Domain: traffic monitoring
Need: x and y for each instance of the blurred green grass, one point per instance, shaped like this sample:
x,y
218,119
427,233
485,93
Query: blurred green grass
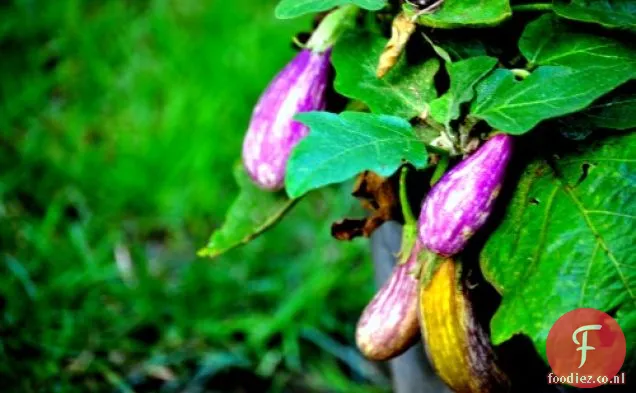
x,y
119,125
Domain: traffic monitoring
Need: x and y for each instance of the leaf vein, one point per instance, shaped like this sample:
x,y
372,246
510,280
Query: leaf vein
x,y
609,213
587,275
568,190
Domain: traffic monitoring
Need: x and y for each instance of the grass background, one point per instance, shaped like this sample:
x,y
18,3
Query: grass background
x,y
119,125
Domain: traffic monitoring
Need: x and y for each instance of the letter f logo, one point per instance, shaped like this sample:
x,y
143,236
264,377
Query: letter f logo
x,y
584,347
585,329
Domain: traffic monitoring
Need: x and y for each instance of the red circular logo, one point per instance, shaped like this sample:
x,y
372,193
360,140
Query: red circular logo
x,y
586,348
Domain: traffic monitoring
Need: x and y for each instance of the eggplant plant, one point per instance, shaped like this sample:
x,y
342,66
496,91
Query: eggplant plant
x,y
516,121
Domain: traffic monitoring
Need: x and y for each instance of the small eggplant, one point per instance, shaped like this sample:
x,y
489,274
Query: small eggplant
x,y
457,344
461,201
388,325
272,133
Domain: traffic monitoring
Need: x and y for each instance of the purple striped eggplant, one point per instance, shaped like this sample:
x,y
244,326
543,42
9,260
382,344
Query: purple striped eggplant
x,y
461,201
388,325
272,133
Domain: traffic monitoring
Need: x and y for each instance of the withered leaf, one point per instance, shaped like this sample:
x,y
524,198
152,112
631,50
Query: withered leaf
x,y
380,196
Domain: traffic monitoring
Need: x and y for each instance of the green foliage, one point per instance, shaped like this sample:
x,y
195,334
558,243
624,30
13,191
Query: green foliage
x,y
404,92
252,213
458,48
464,75
120,123
567,241
293,8
458,13
617,111
609,13
550,41
340,146
574,69
579,207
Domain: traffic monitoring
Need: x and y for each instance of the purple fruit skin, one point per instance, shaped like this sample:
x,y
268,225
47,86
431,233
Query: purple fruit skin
x,y
388,325
461,201
272,133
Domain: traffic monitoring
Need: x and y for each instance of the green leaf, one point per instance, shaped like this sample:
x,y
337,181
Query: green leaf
x,y
567,241
253,212
405,91
461,48
463,77
575,69
616,112
550,41
458,13
609,13
340,146
516,107
287,9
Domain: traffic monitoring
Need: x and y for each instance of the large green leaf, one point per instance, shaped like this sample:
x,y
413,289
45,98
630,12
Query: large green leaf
x,y
550,41
464,75
252,213
405,91
616,112
457,13
292,8
609,13
575,68
340,146
567,241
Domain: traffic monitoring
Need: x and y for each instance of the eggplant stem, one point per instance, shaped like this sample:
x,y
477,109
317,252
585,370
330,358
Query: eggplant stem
x,y
409,232
431,264
409,218
332,27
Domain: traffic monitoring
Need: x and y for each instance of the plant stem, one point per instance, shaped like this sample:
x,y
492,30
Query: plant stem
x,y
464,131
332,27
409,218
532,7
431,262
409,231
441,168
520,73
434,125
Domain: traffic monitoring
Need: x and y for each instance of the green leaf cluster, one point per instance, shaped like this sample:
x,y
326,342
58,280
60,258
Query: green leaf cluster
x,y
474,68
569,70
